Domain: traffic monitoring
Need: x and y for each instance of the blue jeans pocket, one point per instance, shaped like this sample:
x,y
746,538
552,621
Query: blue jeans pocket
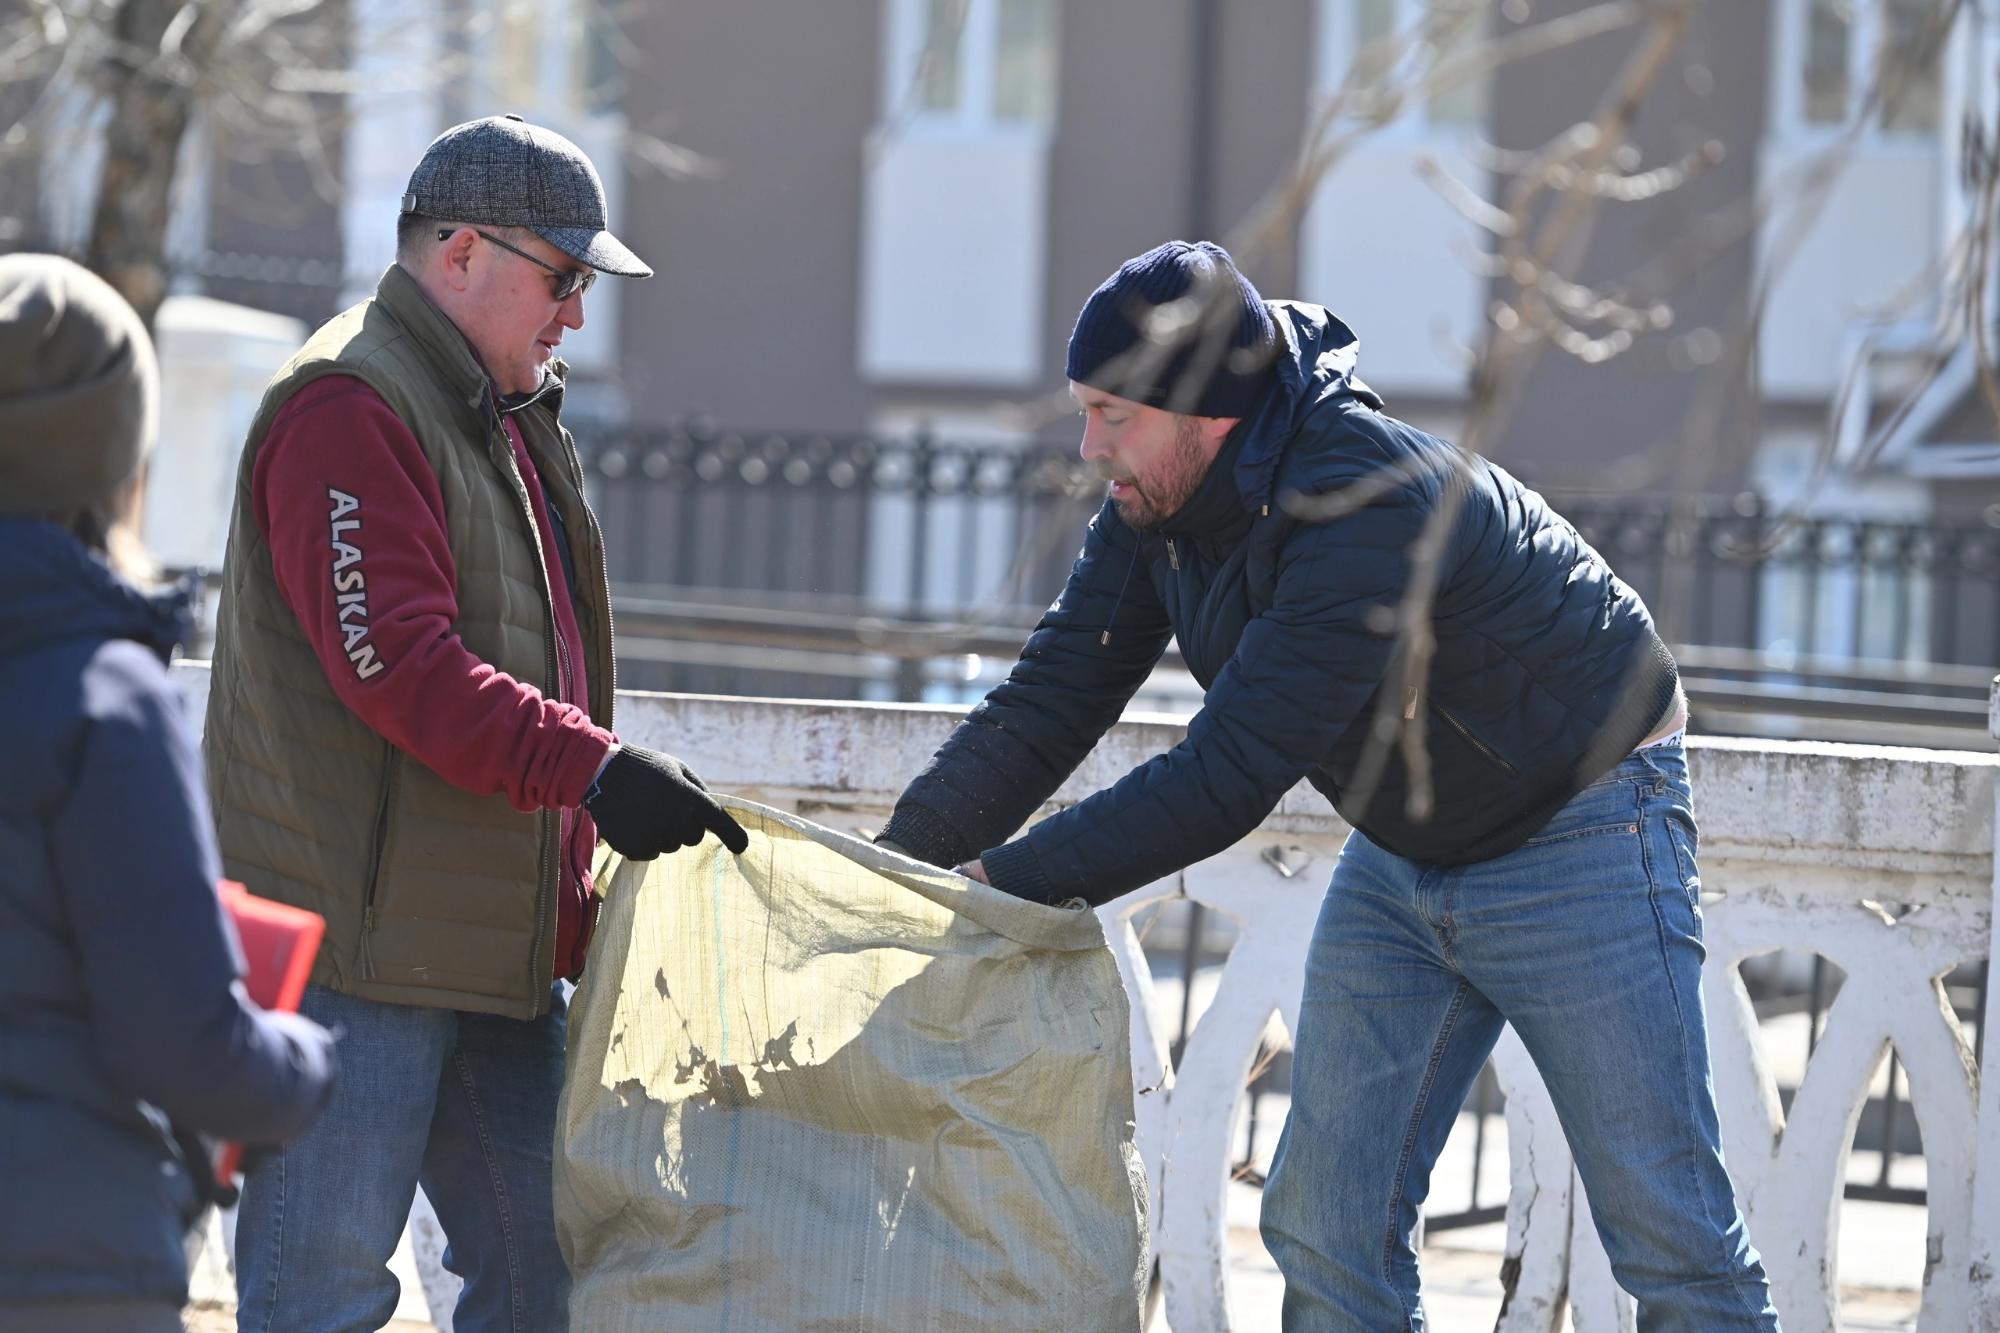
x,y
1683,838
1606,807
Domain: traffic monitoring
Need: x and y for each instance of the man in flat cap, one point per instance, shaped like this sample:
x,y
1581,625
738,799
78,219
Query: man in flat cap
x,y
408,732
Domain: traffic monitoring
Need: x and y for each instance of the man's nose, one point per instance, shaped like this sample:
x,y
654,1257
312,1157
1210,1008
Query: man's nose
x,y
570,313
1093,446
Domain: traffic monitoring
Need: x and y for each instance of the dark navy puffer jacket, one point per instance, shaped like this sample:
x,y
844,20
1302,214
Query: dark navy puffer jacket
x,y
118,997
1282,578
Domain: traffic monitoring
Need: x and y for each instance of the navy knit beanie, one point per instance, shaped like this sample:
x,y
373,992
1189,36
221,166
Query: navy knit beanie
x,y
1143,334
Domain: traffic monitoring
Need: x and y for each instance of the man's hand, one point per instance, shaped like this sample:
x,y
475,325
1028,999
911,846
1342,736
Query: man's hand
x,y
646,803
973,870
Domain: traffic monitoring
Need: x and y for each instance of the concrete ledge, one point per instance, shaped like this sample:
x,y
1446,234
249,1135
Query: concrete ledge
x,y
1861,806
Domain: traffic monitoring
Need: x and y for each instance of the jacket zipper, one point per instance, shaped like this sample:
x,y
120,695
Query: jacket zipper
x,y
603,584
1471,739
565,674
1173,556
382,809
545,891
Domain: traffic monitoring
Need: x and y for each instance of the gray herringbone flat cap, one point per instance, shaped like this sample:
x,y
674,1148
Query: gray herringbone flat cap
x,y
507,173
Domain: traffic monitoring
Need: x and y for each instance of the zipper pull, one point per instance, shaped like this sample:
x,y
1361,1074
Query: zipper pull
x,y
1173,556
367,953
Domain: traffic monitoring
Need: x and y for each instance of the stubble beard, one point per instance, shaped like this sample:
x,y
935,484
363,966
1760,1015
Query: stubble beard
x,y
1180,474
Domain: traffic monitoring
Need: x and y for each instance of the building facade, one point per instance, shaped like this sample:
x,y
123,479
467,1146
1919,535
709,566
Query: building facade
x,y
870,217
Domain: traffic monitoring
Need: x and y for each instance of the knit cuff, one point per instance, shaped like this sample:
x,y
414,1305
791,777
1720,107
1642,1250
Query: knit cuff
x,y
926,837
590,752
1015,869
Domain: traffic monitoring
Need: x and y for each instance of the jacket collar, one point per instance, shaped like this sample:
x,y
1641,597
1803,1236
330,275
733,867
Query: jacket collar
x,y
1315,364
1215,511
549,392
447,350
450,353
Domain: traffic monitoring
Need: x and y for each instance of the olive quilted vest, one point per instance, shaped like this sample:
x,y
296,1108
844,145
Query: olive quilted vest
x,y
432,895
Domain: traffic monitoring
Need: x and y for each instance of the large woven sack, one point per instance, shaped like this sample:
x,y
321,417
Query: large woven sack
x,y
821,1086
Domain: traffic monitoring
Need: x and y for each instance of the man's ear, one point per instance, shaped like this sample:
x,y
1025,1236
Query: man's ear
x,y
454,259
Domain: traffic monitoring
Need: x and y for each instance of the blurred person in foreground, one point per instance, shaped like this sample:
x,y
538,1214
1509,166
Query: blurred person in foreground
x,y
1536,868
123,1026
408,733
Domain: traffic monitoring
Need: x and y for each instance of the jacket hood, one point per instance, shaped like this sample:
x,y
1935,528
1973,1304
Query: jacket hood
x,y
1314,365
54,589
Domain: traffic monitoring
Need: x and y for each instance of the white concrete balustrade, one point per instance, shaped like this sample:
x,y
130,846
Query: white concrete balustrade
x,y
1881,860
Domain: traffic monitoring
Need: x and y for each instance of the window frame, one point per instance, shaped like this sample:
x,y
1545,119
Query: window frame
x,y
978,54
1786,109
1340,46
561,35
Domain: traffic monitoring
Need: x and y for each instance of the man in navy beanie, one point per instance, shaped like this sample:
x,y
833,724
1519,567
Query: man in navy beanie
x,y
1524,837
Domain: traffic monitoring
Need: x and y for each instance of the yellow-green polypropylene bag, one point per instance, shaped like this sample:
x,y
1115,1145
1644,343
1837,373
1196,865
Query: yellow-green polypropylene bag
x,y
821,1086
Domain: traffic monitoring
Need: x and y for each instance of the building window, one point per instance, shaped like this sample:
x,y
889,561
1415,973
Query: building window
x,y
939,91
1024,63
557,61
517,53
1825,73
1391,43
1912,51
1836,52
973,63
959,165
598,56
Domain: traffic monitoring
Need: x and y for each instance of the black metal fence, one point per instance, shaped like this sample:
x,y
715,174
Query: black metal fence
x,y
857,528
1741,572
906,567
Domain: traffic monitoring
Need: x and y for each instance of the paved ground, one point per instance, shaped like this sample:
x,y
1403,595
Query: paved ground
x,y
1881,1259
1880,1254
1462,1272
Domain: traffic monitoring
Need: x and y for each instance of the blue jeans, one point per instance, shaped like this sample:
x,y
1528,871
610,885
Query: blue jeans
x,y
463,1103
1588,940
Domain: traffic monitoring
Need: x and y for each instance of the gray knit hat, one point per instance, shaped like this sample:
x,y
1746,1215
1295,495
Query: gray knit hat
x,y
507,173
79,388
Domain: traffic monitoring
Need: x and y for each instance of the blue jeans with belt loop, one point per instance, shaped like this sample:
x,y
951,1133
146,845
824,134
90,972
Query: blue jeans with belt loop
x,y
1588,940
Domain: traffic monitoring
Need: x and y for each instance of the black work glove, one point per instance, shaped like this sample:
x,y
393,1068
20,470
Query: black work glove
x,y
646,803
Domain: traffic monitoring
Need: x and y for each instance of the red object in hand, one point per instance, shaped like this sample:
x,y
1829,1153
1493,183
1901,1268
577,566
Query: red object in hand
x,y
279,945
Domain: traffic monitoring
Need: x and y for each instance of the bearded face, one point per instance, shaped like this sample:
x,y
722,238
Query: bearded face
x,y
1152,459
1151,495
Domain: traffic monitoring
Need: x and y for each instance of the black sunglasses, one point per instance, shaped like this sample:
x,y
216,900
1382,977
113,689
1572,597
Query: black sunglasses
x,y
564,282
